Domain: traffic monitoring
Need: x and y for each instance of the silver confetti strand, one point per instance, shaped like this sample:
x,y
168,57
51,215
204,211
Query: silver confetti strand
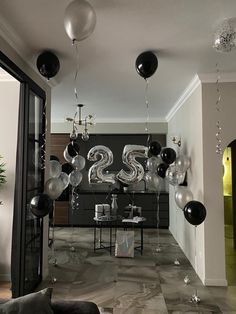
x,y
76,71
43,146
218,111
147,106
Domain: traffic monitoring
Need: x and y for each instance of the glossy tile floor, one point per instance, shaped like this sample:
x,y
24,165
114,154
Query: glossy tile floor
x,y
150,284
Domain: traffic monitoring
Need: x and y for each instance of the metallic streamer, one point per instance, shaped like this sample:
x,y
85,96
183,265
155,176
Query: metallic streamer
x,y
147,106
218,111
43,142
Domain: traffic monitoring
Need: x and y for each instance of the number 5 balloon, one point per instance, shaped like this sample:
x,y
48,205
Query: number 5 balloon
x,y
130,153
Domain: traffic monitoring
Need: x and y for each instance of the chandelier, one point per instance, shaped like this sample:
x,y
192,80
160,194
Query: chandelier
x,y
78,121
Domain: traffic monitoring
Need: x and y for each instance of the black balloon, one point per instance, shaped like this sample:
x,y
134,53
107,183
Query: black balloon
x,y
48,64
194,212
53,157
161,170
154,148
73,149
146,64
41,205
67,168
168,155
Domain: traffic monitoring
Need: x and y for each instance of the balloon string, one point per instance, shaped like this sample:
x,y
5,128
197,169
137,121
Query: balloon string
x,y
218,111
147,106
158,219
43,146
76,70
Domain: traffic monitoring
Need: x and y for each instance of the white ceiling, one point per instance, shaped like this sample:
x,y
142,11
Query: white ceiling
x,y
180,32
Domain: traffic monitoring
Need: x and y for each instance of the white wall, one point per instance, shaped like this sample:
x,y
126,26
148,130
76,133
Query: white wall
x,y
12,54
187,123
195,122
9,100
213,175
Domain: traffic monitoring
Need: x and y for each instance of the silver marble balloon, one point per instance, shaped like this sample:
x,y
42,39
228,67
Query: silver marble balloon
x,y
79,20
75,178
53,188
103,158
182,163
153,182
182,196
136,171
152,163
65,179
225,36
78,162
54,168
174,177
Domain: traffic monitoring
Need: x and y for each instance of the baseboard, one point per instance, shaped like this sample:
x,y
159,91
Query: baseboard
x,y
5,277
215,282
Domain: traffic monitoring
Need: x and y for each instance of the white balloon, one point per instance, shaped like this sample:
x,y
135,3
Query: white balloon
x,y
182,196
53,188
78,162
54,168
182,163
153,182
65,179
152,163
174,177
75,177
79,20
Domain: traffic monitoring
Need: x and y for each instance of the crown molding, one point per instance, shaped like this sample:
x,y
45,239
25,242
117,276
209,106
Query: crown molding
x,y
194,83
224,77
12,38
113,120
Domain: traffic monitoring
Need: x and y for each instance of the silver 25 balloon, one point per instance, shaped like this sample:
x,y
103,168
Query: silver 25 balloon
x,y
96,172
130,153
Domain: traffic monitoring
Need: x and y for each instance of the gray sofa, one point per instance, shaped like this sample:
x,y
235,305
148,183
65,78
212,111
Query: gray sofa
x,y
74,307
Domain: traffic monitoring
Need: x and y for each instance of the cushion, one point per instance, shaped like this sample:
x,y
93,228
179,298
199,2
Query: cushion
x,y
36,303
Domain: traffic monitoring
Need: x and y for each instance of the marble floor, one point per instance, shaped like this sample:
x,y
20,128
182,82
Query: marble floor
x,y
151,283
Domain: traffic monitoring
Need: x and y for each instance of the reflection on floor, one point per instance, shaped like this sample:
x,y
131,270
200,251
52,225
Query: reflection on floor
x,y
144,284
230,255
5,290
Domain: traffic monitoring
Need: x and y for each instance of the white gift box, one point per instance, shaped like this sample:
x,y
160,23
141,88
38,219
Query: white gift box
x,y
124,243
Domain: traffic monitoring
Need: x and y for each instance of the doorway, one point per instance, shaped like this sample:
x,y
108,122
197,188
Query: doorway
x,y
229,185
25,258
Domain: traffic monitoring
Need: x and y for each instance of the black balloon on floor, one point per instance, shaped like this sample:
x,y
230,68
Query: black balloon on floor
x,y
41,205
154,148
161,170
48,64
168,155
194,212
146,64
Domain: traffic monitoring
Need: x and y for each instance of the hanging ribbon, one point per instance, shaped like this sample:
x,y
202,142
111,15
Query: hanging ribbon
x,y
218,111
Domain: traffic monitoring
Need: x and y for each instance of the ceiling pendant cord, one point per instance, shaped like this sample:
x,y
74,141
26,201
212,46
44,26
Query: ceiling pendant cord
x,y
218,112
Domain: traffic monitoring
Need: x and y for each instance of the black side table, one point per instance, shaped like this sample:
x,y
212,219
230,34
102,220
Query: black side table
x,y
100,223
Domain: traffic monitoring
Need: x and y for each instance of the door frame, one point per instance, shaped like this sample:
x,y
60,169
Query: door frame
x,y
18,229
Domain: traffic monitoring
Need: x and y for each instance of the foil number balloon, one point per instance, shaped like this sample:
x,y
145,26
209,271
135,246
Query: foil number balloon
x,y
96,172
130,153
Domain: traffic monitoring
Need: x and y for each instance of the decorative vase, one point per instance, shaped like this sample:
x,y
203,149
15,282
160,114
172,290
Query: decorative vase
x,y
114,205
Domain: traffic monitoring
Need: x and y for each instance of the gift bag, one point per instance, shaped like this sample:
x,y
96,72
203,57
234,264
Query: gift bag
x,y
124,243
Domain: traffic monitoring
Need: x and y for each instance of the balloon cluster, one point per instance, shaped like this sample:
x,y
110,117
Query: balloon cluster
x,y
164,164
42,204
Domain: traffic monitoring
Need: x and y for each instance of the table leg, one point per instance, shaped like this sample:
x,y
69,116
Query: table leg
x,y
100,237
94,238
141,238
110,239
